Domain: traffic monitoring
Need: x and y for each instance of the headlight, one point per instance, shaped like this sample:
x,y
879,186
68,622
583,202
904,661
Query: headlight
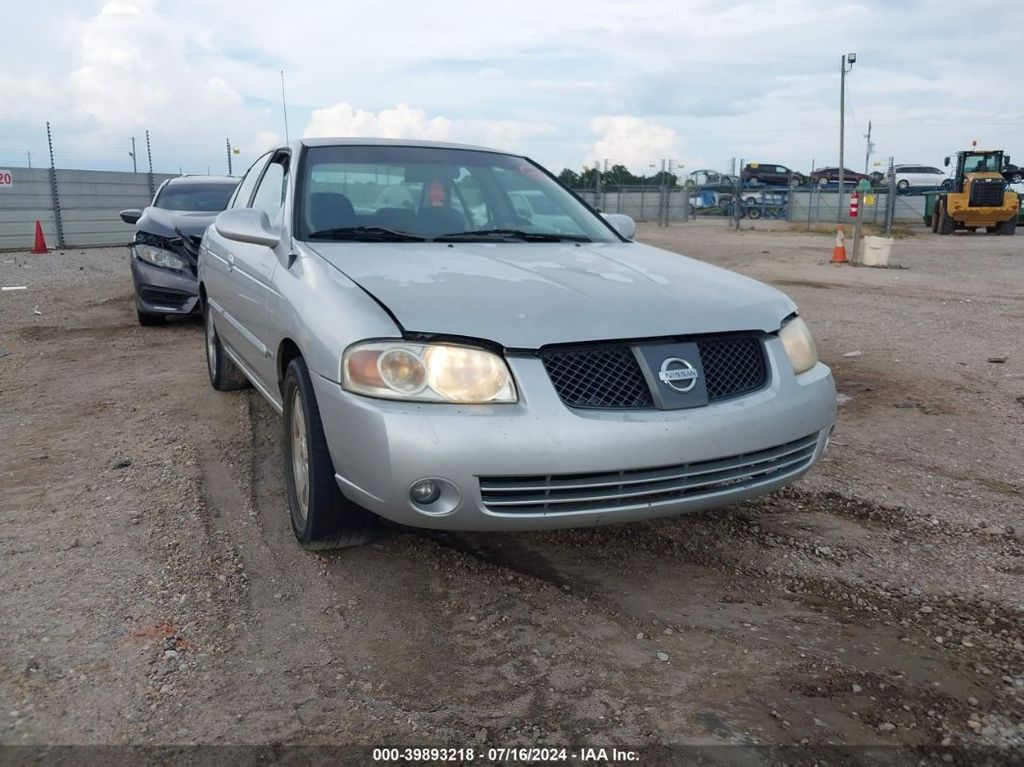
x,y
427,373
158,256
795,336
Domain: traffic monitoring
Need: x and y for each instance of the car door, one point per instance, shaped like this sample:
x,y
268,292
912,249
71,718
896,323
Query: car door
x,y
250,271
217,280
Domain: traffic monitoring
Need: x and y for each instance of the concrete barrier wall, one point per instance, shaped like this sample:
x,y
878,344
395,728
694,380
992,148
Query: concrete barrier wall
x,y
89,202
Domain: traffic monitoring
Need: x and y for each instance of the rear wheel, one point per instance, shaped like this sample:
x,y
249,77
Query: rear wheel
x,y
1008,227
321,516
148,320
224,374
903,185
946,223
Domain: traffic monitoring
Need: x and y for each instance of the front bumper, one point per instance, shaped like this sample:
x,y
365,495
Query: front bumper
x,y
162,291
380,448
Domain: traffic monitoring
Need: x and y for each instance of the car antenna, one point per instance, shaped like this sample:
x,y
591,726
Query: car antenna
x,y
284,107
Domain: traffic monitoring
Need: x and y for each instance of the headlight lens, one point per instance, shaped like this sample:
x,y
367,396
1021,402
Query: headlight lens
x,y
158,256
800,348
427,373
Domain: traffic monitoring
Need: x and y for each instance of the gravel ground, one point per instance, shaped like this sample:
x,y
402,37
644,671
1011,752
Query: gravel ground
x,y
151,592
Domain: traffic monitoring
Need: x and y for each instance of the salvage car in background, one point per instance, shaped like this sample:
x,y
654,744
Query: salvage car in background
x,y
918,177
166,243
458,365
825,176
762,173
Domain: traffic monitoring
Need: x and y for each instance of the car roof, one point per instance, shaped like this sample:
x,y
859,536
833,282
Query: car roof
x,y
184,180
356,141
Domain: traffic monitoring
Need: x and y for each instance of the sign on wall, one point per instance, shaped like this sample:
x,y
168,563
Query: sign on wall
x,y
5,178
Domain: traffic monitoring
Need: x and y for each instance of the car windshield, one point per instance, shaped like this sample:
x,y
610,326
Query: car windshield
x,y
405,193
194,197
981,163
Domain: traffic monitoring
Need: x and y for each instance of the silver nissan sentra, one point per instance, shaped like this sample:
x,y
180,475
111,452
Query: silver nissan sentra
x,y
455,340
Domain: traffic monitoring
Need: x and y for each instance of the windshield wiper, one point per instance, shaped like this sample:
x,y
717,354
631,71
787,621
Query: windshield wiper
x,y
512,233
366,233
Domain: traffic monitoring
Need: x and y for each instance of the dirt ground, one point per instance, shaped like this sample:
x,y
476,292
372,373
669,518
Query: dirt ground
x,y
151,591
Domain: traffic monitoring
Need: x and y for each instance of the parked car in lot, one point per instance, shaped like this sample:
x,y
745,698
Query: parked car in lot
x,y
1013,174
709,179
824,176
457,365
918,176
771,174
165,248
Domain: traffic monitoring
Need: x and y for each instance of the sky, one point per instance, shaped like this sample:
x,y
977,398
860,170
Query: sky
x,y
633,82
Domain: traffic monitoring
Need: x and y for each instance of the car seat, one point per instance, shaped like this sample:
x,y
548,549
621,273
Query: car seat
x,y
329,210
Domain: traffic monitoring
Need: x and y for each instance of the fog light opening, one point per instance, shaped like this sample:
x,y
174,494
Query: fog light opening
x,y
425,492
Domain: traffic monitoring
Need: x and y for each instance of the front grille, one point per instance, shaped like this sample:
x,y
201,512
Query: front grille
x,y
609,376
732,366
986,193
171,299
567,493
599,377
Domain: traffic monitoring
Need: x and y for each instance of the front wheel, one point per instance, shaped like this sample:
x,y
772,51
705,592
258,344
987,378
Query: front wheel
x,y
903,185
321,516
1008,227
946,222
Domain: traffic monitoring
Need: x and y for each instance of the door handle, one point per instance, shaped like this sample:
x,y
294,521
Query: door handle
x,y
231,261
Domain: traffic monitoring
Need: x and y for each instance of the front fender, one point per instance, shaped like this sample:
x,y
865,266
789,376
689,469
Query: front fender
x,y
323,312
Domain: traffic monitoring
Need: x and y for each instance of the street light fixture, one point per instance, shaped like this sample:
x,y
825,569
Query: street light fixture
x,y
849,58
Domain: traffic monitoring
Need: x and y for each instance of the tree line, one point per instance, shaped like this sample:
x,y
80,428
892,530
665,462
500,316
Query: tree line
x,y
615,176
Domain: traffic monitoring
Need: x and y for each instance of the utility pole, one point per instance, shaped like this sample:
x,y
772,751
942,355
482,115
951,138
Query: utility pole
x,y
28,154
870,149
135,167
597,185
229,155
843,60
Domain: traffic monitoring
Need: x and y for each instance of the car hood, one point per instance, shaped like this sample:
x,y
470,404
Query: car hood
x,y
527,295
175,223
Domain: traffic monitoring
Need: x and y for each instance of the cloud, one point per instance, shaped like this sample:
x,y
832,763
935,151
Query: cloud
x,y
632,141
407,122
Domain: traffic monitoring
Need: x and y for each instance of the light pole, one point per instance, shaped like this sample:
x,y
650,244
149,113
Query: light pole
x,y
849,58
135,166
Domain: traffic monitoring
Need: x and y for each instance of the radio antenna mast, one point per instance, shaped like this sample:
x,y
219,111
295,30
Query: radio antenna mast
x,y
284,107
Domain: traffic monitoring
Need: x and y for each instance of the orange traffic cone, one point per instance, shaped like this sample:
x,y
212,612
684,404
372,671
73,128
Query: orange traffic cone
x,y
839,251
40,246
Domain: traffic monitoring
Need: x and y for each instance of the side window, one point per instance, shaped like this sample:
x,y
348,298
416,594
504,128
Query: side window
x,y
244,191
270,193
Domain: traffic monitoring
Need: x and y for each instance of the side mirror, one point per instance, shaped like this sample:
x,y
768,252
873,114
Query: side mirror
x,y
131,216
622,224
946,162
247,225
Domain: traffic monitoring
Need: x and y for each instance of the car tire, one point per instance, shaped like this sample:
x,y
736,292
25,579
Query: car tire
x,y
321,516
1008,227
224,374
903,185
1017,178
946,223
148,320
754,213
823,182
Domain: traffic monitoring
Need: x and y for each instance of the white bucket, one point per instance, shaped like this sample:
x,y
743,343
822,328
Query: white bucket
x,y
876,251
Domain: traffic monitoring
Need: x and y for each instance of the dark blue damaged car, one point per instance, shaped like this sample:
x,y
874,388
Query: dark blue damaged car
x,y
166,245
